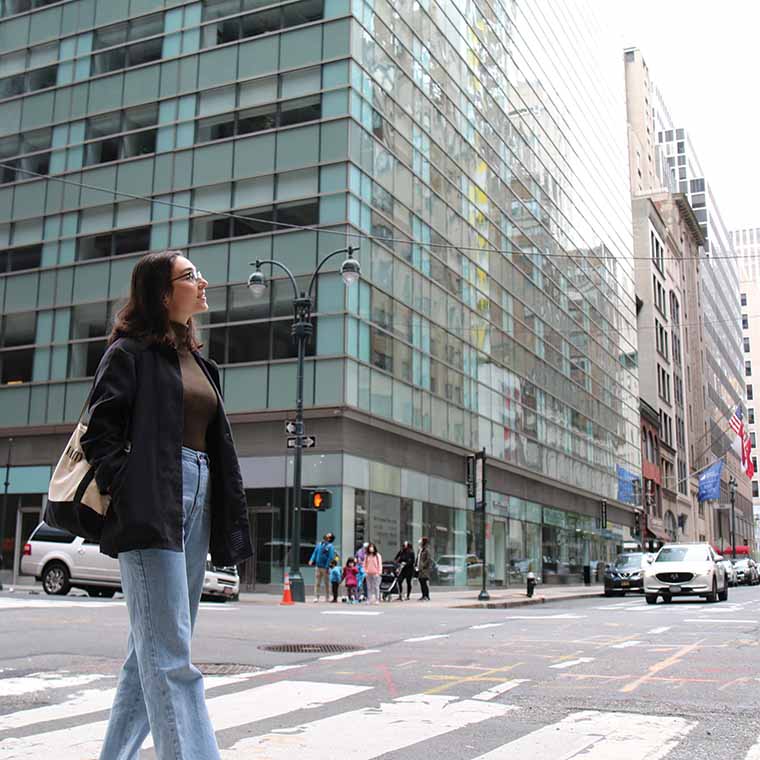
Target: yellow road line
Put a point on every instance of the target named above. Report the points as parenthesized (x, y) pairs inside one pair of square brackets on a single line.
[(653, 670), (470, 679)]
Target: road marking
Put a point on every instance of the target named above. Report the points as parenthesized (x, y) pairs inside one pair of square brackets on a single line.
[(227, 711), (625, 645), (718, 620), (485, 625), (478, 677), (350, 612), (347, 655), (661, 629), (565, 616), (427, 638), (591, 734), (371, 731), (14, 687), (658, 666), (571, 663), (91, 701), (501, 688)]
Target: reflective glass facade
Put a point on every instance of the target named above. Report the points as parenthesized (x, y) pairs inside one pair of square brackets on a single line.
[(476, 152)]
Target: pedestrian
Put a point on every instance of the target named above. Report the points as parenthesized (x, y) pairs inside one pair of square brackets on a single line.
[(350, 576), (373, 566), (360, 557), (336, 575), (361, 583), (161, 445), (322, 556), (405, 559), (423, 564)]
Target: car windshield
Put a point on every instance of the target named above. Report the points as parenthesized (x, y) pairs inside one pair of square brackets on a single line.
[(741, 563), (683, 554), (628, 560)]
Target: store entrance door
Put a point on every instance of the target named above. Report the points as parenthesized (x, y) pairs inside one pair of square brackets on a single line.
[(499, 557)]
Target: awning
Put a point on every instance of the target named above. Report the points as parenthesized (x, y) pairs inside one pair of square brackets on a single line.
[(727, 551), (660, 535)]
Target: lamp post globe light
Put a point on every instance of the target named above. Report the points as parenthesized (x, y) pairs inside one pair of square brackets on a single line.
[(301, 330)]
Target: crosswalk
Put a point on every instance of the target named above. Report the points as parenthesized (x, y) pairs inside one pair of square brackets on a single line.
[(278, 716)]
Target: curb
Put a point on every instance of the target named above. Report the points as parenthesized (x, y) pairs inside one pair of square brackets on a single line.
[(521, 602)]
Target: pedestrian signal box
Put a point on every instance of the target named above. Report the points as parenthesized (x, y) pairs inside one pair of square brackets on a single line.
[(318, 499)]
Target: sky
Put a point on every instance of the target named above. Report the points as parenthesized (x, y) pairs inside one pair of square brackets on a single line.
[(704, 56)]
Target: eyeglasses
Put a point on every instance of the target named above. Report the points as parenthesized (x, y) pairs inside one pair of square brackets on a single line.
[(193, 276)]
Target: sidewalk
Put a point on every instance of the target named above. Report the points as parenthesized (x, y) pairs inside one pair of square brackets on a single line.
[(466, 598)]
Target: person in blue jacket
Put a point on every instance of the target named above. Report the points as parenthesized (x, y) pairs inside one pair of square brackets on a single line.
[(336, 576), (322, 556)]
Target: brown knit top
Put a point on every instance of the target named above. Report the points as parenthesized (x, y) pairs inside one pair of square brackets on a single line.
[(200, 400)]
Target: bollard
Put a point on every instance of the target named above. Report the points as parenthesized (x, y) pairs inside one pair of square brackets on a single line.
[(531, 584)]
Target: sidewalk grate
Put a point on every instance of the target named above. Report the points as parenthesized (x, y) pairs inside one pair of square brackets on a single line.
[(224, 668), (310, 648)]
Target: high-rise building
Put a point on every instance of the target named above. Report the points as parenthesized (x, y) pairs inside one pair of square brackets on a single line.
[(687, 300), (475, 153), (747, 246)]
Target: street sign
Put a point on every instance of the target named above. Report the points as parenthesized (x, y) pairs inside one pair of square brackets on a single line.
[(290, 427), (307, 441), (603, 514), (470, 475), (480, 481)]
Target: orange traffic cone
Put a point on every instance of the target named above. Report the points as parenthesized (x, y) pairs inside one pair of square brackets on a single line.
[(286, 595)]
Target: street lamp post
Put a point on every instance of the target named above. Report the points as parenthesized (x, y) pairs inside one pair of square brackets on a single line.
[(302, 330), (732, 485), (4, 511)]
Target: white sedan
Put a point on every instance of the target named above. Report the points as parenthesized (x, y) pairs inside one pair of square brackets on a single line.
[(686, 570)]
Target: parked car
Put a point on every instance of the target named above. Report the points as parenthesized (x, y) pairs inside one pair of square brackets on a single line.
[(626, 574), (686, 570), (747, 573), (61, 562), (458, 569), (730, 571)]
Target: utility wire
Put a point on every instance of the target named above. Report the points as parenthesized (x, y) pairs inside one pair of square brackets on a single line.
[(589, 255)]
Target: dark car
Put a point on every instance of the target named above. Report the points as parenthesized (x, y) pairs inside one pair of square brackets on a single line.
[(626, 574)]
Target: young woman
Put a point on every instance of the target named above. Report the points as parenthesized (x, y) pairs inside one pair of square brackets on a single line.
[(373, 566), (405, 559), (162, 447)]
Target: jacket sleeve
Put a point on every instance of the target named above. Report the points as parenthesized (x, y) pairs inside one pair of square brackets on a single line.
[(313, 557), (104, 443)]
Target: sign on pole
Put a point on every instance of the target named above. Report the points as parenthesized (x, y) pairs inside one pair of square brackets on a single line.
[(480, 481), (307, 441), (290, 427)]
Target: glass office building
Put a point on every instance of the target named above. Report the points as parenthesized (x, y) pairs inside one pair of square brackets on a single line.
[(476, 152)]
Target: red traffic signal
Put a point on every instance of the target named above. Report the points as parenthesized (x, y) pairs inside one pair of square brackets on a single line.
[(318, 499)]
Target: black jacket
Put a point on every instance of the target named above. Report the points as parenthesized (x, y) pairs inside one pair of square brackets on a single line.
[(134, 440)]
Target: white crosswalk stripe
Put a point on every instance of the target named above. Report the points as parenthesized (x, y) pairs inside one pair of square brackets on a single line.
[(363, 731), (369, 732), (598, 736)]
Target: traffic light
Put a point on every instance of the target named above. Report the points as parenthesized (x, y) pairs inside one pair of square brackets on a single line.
[(636, 523), (318, 499)]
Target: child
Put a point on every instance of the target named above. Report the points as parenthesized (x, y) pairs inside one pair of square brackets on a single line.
[(336, 576), (350, 571), (361, 576)]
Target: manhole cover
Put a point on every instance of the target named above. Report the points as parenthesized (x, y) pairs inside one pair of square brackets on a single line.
[(310, 648), (225, 668)]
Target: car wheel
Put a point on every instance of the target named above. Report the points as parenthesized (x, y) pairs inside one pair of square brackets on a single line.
[(723, 595), (608, 592), (651, 598), (56, 579), (713, 595), (667, 598)]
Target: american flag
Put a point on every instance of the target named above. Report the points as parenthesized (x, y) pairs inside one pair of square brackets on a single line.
[(736, 424)]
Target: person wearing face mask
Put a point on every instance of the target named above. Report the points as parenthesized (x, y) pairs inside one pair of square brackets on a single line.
[(405, 558)]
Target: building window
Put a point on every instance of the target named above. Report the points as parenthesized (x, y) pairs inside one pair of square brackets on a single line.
[(750, 395), (751, 415), (107, 142), (118, 53), (744, 299), (16, 259), (29, 81), (747, 368), (115, 243), (752, 439), (745, 343), (745, 322), (755, 492)]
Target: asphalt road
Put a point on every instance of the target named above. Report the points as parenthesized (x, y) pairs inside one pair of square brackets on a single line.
[(595, 678)]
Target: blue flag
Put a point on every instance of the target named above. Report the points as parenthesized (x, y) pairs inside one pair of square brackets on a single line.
[(709, 481), (626, 479)]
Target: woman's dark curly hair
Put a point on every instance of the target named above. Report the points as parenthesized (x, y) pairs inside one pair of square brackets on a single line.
[(144, 315)]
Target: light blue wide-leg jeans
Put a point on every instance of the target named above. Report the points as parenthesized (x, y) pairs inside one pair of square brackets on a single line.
[(159, 690)]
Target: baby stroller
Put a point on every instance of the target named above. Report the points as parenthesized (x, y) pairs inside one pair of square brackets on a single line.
[(389, 580)]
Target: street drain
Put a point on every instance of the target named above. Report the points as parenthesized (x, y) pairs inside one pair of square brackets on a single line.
[(225, 668), (310, 648)]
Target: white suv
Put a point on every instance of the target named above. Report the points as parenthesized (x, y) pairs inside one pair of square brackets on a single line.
[(686, 570), (61, 562)]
